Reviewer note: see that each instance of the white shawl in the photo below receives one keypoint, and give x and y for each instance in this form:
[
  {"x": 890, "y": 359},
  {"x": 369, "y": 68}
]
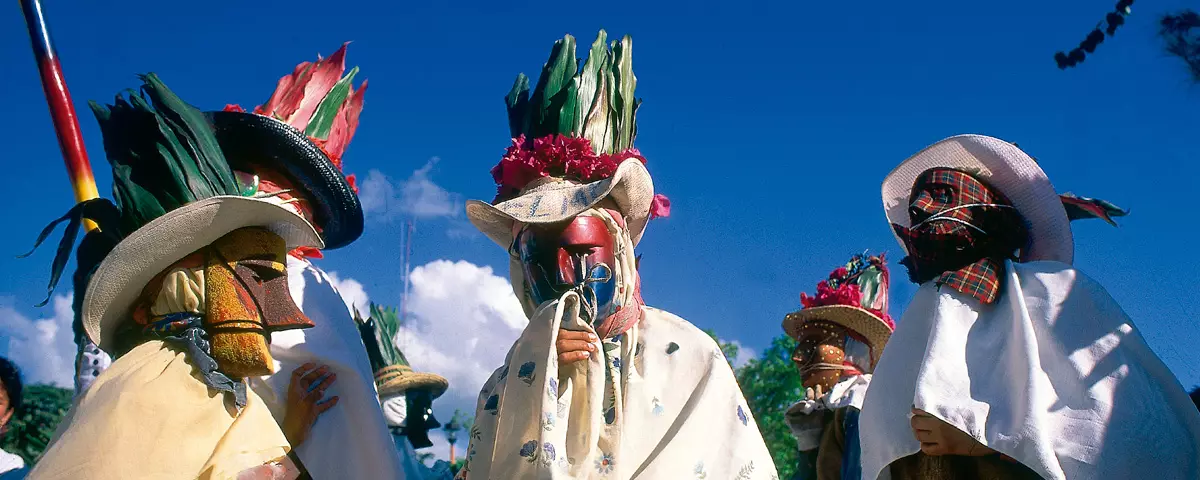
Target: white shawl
[
  {"x": 350, "y": 440},
  {"x": 678, "y": 414},
  {"x": 1053, "y": 375}
]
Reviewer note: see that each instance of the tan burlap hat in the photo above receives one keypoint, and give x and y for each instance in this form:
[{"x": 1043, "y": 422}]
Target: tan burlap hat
[{"x": 402, "y": 378}]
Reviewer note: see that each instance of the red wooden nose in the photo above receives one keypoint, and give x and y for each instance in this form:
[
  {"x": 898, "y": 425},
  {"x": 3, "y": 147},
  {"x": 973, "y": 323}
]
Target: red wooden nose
[{"x": 585, "y": 232}]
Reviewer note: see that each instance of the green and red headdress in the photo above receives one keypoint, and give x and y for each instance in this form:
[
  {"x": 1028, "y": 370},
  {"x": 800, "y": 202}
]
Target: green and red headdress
[
  {"x": 302, "y": 132},
  {"x": 572, "y": 145},
  {"x": 855, "y": 296}
]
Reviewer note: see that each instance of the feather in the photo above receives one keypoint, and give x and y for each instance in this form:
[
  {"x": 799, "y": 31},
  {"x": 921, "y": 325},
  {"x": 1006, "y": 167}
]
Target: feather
[{"x": 1079, "y": 208}]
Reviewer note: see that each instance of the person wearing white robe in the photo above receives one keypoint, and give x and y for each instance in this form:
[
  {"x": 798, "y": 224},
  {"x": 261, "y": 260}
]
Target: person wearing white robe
[{"x": 1052, "y": 374}]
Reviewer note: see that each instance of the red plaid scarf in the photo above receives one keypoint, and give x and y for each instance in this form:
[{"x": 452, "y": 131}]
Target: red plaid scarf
[{"x": 965, "y": 248}]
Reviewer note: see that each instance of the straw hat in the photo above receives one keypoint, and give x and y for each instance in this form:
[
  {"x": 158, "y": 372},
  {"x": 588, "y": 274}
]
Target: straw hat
[
  {"x": 1003, "y": 166},
  {"x": 868, "y": 277},
  {"x": 402, "y": 378},
  {"x": 136, "y": 260}
]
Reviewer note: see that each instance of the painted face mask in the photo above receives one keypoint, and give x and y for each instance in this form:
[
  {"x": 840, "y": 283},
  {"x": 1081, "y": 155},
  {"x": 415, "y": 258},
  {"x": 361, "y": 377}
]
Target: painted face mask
[
  {"x": 577, "y": 255},
  {"x": 247, "y": 295},
  {"x": 420, "y": 419}
]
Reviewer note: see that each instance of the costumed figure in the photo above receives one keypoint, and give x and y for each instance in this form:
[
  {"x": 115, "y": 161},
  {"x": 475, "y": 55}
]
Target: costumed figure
[
  {"x": 1008, "y": 362},
  {"x": 840, "y": 333},
  {"x": 316, "y": 108},
  {"x": 191, "y": 287},
  {"x": 654, "y": 397},
  {"x": 406, "y": 395},
  {"x": 12, "y": 466}
]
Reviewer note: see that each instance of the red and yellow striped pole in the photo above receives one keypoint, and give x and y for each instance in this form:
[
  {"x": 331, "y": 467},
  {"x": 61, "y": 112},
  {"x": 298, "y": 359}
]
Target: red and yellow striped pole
[{"x": 62, "y": 111}]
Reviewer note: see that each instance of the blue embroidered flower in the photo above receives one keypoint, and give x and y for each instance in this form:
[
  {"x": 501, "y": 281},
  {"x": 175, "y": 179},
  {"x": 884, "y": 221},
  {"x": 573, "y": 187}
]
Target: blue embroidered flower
[
  {"x": 548, "y": 449},
  {"x": 529, "y": 450},
  {"x": 493, "y": 402},
  {"x": 701, "y": 474},
  {"x": 604, "y": 464},
  {"x": 617, "y": 363},
  {"x": 526, "y": 372},
  {"x": 742, "y": 416},
  {"x": 658, "y": 408},
  {"x": 553, "y": 391},
  {"x": 547, "y": 421}
]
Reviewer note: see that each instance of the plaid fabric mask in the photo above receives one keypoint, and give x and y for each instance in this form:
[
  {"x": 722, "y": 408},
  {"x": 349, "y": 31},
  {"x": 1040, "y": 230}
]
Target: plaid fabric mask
[{"x": 962, "y": 232}]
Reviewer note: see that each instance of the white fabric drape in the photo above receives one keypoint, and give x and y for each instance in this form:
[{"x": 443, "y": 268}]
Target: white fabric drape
[
  {"x": 1053, "y": 375},
  {"x": 659, "y": 402},
  {"x": 350, "y": 440}
]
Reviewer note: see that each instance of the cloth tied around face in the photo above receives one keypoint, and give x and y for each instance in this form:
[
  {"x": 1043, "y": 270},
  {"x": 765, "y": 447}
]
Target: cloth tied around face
[{"x": 962, "y": 231}]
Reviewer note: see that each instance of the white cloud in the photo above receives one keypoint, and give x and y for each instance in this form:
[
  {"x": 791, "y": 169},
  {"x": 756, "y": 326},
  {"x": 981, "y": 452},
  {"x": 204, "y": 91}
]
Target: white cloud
[
  {"x": 417, "y": 196},
  {"x": 44, "y": 348},
  {"x": 352, "y": 293},
  {"x": 745, "y": 354},
  {"x": 462, "y": 319}
]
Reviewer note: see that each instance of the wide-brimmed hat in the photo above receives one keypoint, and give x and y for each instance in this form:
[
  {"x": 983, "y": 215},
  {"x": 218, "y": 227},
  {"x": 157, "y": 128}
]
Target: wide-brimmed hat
[
  {"x": 302, "y": 132},
  {"x": 841, "y": 299},
  {"x": 1003, "y": 166},
  {"x": 552, "y": 200},
  {"x": 136, "y": 260},
  {"x": 402, "y": 378},
  {"x": 572, "y": 145}
]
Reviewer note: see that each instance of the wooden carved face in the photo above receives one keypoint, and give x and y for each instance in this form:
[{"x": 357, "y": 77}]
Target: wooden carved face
[
  {"x": 820, "y": 353},
  {"x": 247, "y": 298}
]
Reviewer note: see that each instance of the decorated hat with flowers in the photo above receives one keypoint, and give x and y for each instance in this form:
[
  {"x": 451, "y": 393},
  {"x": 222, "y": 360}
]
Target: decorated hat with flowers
[
  {"x": 302, "y": 132},
  {"x": 572, "y": 145},
  {"x": 856, "y": 297}
]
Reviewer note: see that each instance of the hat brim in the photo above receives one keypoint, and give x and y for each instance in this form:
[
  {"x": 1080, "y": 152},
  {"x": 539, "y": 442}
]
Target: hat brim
[
  {"x": 436, "y": 384},
  {"x": 630, "y": 188},
  {"x": 250, "y": 139},
  {"x": 1004, "y": 167},
  {"x": 872, "y": 328},
  {"x": 149, "y": 250}
]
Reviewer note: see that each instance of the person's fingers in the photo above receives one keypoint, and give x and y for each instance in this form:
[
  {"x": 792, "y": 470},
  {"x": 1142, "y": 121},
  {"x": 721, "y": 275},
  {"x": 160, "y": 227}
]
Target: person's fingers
[
  {"x": 572, "y": 357},
  {"x": 299, "y": 371},
  {"x": 575, "y": 346},
  {"x": 576, "y": 335},
  {"x": 312, "y": 376},
  {"x": 933, "y": 449},
  {"x": 809, "y": 394},
  {"x": 819, "y": 391},
  {"x": 324, "y": 405},
  {"x": 319, "y": 390}
]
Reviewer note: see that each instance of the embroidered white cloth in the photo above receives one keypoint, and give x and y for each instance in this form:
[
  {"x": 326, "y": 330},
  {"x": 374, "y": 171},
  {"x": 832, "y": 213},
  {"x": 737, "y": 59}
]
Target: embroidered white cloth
[
  {"x": 807, "y": 428},
  {"x": 350, "y": 440},
  {"x": 674, "y": 411},
  {"x": 1053, "y": 375},
  {"x": 10, "y": 461}
]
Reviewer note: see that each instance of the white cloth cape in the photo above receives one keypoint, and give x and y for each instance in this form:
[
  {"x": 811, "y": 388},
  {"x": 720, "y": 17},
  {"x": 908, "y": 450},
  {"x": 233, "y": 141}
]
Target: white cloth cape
[
  {"x": 10, "y": 461},
  {"x": 350, "y": 440},
  {"x": 808, "y": 428},
  {"x": 1053, "y": 374},
  {"x": 683, "y": 415}
]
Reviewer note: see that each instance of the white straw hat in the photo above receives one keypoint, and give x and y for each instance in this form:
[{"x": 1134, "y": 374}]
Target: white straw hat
[
  {"x": 149, "y": 250},
  {"x": 1003, "y": 166}
]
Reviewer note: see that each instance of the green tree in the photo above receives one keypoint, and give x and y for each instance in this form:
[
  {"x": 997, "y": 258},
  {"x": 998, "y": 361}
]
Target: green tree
[
  {"x": 771, "y": 384},
  {"x": 32, "y": 427}
]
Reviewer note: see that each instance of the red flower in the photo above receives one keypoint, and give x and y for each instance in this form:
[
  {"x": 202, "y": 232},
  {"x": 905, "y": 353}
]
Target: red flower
[
  {"x": 839, "y": 273},
  {"x": 233, "y": 108},
  {"x": 844, "y": 294},
  {"x": 559, "y": 156},
  {"x": 353, "y": 181},
  {"x": 660, "y": 206}
]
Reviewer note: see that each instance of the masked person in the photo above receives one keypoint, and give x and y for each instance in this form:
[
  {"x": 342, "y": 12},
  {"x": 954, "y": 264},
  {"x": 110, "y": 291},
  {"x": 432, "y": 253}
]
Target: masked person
[
  {"x": 318, "y": 106},
  {"x": 657, "y": 399},
  {"x": 191, "y": 287},
  {"x": 12, "y": 466},
  {"x": 1008, "y": 362},
  {"x": 406, "y": 396},
  {"x": 840, "y": 333}
]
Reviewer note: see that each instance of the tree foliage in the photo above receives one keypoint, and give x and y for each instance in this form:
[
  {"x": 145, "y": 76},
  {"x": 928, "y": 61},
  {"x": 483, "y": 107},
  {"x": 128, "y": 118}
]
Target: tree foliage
[
  {"x": 32, "y": 427},
  {"x": 1181, "y": 37},
  {"x": 771, "y": 384}
]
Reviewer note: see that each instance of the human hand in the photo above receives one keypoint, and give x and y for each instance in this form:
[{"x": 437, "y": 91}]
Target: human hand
[
  {"x": 574, "y": 346},
  {"x": 304, "y": 402},
  {"x": 813, "y": 393},
  {"x": 940, "y": 438}
]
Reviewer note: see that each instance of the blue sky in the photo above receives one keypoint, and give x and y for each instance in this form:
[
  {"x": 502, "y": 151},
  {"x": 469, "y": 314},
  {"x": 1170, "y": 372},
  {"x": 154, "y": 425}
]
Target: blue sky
[{"x": 770, "y": 126}]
